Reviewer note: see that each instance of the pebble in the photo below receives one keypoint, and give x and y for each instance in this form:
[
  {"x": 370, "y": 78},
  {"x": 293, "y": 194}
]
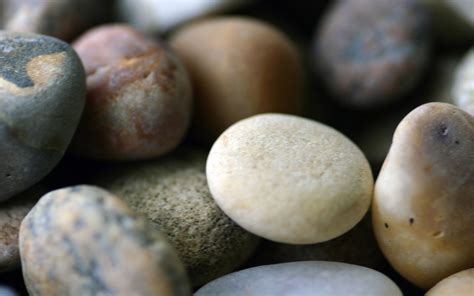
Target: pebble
[
  {"x": 289, "y": 179},
  {"x": 164, "y": 15},
  {"x": 173, "y": 194},
  {"x": 42, "y": 94},
  {"x": 12, "y": 213},
  {"x": 422, "y": 209},
  {"x": 5, "y": 291},
  {"x": 358, "y": 246},
  {"x": 462, "y": 89},
  {"x": 370, "y": 54},
  {"x": 82, "y": 240},
  {"x": 138, "y": 96},
  {"x": 64, "y": 19},
  {"x": 459, "y": 284},
  {"x": 239, "y": 67},
  {"x": 315, "y": 278}
]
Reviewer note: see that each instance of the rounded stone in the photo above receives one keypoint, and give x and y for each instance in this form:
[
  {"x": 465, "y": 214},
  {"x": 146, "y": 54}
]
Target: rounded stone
[
  {"x": 82, "y": 240},
  {"x": 138, "y": 96},
  {"x": 316, "y": 278},
  {"x": 6, "y": 291},
  {"x": 459, "y": 284},
  {"x": 423, "y": 205},
  {"x": 42, "y": 93},
  {"x": 462, "y": 89},
  {"x": 358, "y": 246},
  {"x": 173, "y": 194},
  {"x": 64, "y": 19},
  {"x": 369, "y": 54},
  {"x": 239, "y": 67},
  {"x": 164, "y": 15},
  {"x": 289, "y": 179},
  {"x": 12, "y": 213}
]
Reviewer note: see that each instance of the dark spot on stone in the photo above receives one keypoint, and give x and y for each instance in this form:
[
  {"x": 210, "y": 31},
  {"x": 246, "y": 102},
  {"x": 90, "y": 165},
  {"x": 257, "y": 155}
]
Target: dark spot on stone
[
  {"x": 7, "y": 175},
  {"x": 442, "y": 130},
  {"x": 386, "y": 225},
  {"x": 79, "y": 224},
  {"x": 456, "y": 142},
  {"x": 75, "y": 189},
  {"x": 411, "y": 221},
  {"x": 17, "y": 51}
]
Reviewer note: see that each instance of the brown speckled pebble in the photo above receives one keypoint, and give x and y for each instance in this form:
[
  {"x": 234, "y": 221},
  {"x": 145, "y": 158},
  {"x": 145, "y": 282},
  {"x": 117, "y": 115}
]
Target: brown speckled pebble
[
  {"x": 174, "y": 195},
  {"x": 82, "y": 240},
  {"x": 11, "y": 214},
  {"x": 138, "y": 96}
]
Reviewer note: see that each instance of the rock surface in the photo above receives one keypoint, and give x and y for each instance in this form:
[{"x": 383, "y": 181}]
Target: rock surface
[
  {"x": 239, "y": 67},
  {"x": 64, "y": 19},
  {"x": 369, "y": 54},
  {"x": 173, "y": 194},
  {"x": 82, "y": 240},
  {"x": 12, "y": 213},
  {"x": 42, "y": 93},
  {"x": 289, "y": 179},
  {"x": 459, "y": 284},
  {"x": 423, "y": 205},
  {"x": 315, "y": 278},
  {"x": 138, "y": 96}
]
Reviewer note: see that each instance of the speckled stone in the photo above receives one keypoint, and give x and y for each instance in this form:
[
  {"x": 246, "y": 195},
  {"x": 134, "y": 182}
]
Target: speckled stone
[
  {"x": 289, "y": 179},
  {"x": 82, "y": 240},
  {"x": 12, "y": 213},
  {"x": 423, "y": 202},
  {"x": 308, "y": 278},
  {"x": 358, "y": 246},
  {"x": 173, "y": 194},
  {"x": 63, "y": 19},
  {"x": 369, "y": 53},
  {"x": 163, "y": 15},
  {"x": 459, "y": 284},
  {"x": 462, "y": 89},
  {"x": 42, "y": 94},
  {"x": 139, "y": 96}
]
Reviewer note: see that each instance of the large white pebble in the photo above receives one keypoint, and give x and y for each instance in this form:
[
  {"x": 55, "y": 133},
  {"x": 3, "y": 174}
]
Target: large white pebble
[
  {"x": 289, "y": 179},
  {"x": 315, "y": 278}
]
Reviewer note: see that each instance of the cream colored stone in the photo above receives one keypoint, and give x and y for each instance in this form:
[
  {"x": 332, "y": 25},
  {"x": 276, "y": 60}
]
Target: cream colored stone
[
  {"x": 423, "y": 200},
  {"x": 289, "y": 179},
  {"x": 459, "y": 284}
]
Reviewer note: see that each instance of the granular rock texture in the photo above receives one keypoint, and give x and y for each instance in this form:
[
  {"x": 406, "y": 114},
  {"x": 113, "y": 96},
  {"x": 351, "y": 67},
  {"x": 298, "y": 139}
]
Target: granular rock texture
[
  {"x": 42, "y": 94},
  {"x": 173, "y": 194},
  {"x": 82, "y": 240}
]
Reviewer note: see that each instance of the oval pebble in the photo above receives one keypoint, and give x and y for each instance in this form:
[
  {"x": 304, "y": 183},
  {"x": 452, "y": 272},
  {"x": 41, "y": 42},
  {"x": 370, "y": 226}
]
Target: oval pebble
[
  {"x": 289, "y": 179},
  {"x": 369, "y": 54},
  {"x": 173, "y": 194},
  {"x": 82, "y": 240},
  {"x": 63, "y": 19},
  {"x": 239, "y": 67},
  {"x": 42, "y": 94},
  {"x": 423, "y": 205},
  {"x": 459, "y": 284},
  {"x": 12, "y": 213},
  {"x": 138, "y": 96},
  {"x": 462, "y": 90},
  {"x": 315, "y": 278}
]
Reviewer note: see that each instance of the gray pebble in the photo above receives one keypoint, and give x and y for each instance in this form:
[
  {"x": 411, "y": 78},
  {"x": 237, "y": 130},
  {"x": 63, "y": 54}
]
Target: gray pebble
[{"x": 42, "y": 94}]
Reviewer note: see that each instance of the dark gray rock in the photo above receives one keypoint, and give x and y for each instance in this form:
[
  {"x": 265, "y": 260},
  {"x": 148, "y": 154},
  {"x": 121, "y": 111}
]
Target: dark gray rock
[{"x": 42, "y": 95}]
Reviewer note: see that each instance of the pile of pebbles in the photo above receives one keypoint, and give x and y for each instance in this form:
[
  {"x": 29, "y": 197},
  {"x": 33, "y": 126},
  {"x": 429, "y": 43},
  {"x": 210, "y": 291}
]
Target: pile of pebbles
[{"x": 236, "y": 147}]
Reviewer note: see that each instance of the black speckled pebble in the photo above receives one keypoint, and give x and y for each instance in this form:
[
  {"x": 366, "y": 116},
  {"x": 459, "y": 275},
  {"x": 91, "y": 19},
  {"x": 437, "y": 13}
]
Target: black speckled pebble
[
  {"x": 42, "y": 95},
  {"x": 82, "y": 240}
]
